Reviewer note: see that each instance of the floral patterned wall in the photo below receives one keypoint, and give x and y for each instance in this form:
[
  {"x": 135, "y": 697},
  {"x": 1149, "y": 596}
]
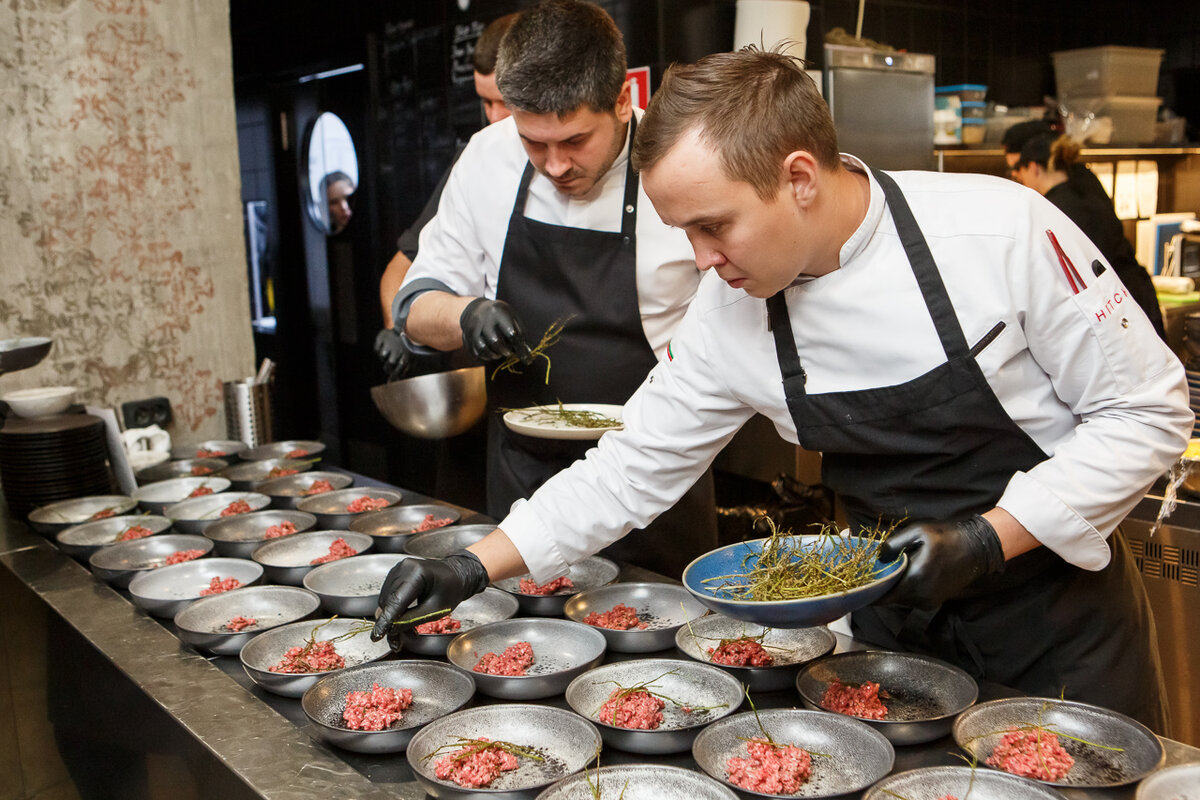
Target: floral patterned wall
[{"x": 120, "y": 219}]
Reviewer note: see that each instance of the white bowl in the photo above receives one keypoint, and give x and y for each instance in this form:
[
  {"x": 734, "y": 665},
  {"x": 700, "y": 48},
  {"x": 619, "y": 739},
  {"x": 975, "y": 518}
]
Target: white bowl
[{"x": 41, "y": 402}]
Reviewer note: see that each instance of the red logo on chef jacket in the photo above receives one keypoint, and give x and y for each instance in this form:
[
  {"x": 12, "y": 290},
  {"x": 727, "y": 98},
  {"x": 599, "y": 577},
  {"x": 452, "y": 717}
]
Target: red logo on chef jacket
[{"x": 639, "y": 84}]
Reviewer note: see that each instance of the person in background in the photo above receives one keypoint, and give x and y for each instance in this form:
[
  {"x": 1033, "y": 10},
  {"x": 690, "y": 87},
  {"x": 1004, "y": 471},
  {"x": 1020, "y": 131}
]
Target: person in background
[
  {"x": 338, "y": 188},
  {"x": 918, "y": 330},
  {"x": 1049, "y": 164}
]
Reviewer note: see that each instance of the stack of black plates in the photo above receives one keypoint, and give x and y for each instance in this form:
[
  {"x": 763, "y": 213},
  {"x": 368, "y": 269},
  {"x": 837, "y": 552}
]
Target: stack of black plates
[{"x": 52, "y": 458}]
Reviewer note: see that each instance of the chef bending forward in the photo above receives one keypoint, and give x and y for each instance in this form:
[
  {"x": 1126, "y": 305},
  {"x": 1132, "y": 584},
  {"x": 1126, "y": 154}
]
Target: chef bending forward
[{"x": 1007, "y": 405}]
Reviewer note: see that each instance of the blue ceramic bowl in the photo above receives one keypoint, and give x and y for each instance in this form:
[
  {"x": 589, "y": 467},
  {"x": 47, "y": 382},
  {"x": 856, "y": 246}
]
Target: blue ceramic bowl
[{"x": 732, "y": 560}]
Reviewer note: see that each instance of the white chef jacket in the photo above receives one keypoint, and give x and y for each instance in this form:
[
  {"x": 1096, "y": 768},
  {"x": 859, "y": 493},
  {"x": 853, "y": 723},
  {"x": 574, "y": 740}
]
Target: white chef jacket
[
  {"x": 461, "y": 248},
  {"x": 1084, "y": 375}
]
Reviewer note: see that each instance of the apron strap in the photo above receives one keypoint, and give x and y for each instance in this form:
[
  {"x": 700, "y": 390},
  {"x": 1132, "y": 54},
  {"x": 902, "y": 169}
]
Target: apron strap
[
  {"x": 630, "y": 205},
  {"x": 785, "y": 346}
]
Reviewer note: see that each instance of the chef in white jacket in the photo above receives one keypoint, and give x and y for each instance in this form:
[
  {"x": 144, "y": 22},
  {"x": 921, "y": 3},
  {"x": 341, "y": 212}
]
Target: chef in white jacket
[{"x": 958, "y": 350}]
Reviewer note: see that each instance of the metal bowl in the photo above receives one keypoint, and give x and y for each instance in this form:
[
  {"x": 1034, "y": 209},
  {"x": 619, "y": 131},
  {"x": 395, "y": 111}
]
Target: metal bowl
[
  {"x": 246, "y": 476},
  {"x": 288, "y": 491},
  {"x": 120, "y": 563},
  {"x": 854, "y": 756},
  {"x": 196, "y": 514},
  {"x": 981, "y": 784},
  {"x": 978, "y": 730},
  {"x": 562, "y": 650},
  {"x": 54, "y": 517},
  {"x": 591, "y": 573},
  {"x": 565, "y": 741},
  {"x": 434, "y": 406},
  {"x": 438, "y": 689},
  {"x": 490, "y": 605},
  {"x": 268, "y": 648},
  {"x": 283, "y": 450},
  {"x": 230, "y": 450},
  {"x": 924, "y": 694},
  {"x": 351, "y": 586},
  {"x": 202, "y": 624},
  {"x": 81, "y": 541},
  {"x": 790, "y": 648},
  {"x": 804, "y": 613},
  {"x": 185, "y": 468},
  {"x": 392, "y": 527},
  {"x": 1169, "y": 783},
  {"x": 639, "y": 782},
  {"x": 157, "y": 497},
  {"x": 240, "y": 535},
  {"x": 23, "y": 353},
  {"x": 663, "y": 607},
  {"x": 166, "y": 591},
  {"x": 289, "y": 559},
  {"x": 443, "y": 542},
  {"x": 330, "y": 507},
  {"x": 710, "y": 693}
]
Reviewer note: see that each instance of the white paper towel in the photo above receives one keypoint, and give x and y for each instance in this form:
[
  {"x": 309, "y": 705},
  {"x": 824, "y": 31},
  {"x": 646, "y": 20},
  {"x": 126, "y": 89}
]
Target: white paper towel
[{"x": 767, "y": 22}]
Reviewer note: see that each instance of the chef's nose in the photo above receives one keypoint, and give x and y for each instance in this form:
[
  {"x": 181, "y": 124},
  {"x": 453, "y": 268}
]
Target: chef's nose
[
  {"x": 557, "y": 162},
  {"x": 707, "y": 258}
]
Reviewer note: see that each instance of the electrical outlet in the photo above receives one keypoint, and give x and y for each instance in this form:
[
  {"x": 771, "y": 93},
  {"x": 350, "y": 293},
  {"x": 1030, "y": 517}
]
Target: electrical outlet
[{"x": 144, "y": 413}]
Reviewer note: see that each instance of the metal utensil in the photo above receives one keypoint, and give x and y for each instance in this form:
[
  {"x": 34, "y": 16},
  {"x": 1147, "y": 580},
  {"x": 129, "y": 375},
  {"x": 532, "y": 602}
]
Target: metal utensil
[
  {"x": 23, "y": 353},
  {"x": 183, "y": 468},
  {"x": 166, "y": 591},
  {"x": 434, "y": 406},
  {"x": 240, "y": 535},
  {"x": 229, "y": 448},
  {"x": 589, "y": 573},
  {"x": 82, "y": 540},
  {"x": 202, "y": 624},
  {"x": 443, "y": 542},
  {"x": 639, "y": 782},
  {"x": 330, "y": 507},
  {"x": 267, "y": 649},
  {"x": 283, "y": 450},
  {"x": 157, "y": 497},
  {"x": 49, "y": 519},
  {"x": 490, "y": 605},
  {"x": 196, "y": 514},
  {"x": 351, "y": 586},
  {"x": 984, "y": 784},
  {"x": 288, "y": 559},
  {"x": 789, "y": 648},
  {"x": 392, "y": 526},
  {"x": 288, "y": 491},
  {"x": 119, "y": 563},
  {"x": 663, "y": 607},
  {"x": 247, "y": 475}
]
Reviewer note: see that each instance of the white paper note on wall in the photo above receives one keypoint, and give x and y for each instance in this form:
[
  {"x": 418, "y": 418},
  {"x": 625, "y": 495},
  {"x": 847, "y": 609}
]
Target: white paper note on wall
[
  {"x": 1147, "y": 188},
  {"x": 1125, "y": 198},
  {"x": 1103, "y": 170}
]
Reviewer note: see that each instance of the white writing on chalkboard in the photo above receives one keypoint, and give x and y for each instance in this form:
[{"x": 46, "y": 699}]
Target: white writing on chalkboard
[{"x": 462, "y": 51}]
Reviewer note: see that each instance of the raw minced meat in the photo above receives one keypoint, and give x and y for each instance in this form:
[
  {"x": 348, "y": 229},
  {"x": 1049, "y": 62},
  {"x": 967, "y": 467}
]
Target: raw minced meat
[
  {"x": 103, "y": 513},
  {"x": 1032, "y": 753},
  {"x": 744, "y": 652},
  {"x": 286, "y": 528},
  {"x": 134, "y": 532},
  {"x": 299, "y": 452},
  {"x": 366, "y": 504},
  {"x": 376, "y": 709},
  {"x": 281, "y": 472},
  {"x": 770, "y": 769},
  {"x": 216, "y": 586},
  {"x": 431, "y": 523},
  {"x": 236, "y": 507},
  {"x": 513, "y": 661},
  {"x": 857, "y": 701},
  {"x": 200, "y": 491},
  {"x": 319, "y": 486},
  {"x": 618, "y": 618},
  {"x": 200, "y": 469},
  {"x": 240, "y": 623},
  {"x": 446, "y": 624},
  {"x": 180, "y": 556},
  {"x": 474, "y": 767},
  {"x": 202, "y": 453},
  {"x": 528, "y": 586},
  {"x": 339, "y": 549},
  {"x": 316, "y": 657},
  {"x": 948, "y": 797},
  {"x": 639, "y": 710}
]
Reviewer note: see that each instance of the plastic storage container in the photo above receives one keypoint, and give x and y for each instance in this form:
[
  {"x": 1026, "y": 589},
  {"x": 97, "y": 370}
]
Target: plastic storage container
[
  {"x": 1107, "y": 70},
  {"x": 971, "y": 92},
  {"x": 1133, "y": 118},
  {"x": 974, "y": 109},
  {"x": 973, "y": 130}
]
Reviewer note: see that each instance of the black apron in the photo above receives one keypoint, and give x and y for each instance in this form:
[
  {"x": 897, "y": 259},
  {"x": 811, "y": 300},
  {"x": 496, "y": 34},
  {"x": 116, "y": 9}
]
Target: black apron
[
  {"x": 941, "y": 447},
  {"x": 588, "y": 279}
]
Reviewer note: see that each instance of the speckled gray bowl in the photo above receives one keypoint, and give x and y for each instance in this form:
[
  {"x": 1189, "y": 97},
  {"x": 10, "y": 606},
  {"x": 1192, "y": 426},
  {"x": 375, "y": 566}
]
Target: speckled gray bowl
[
  {"x": 791, "y": 648},
  {"x": 490, "y": 605},
  {"x": 330, "y": 507},
  {"x": 590, "y": 573},
  {"x": 229, "y": 448},
  {"x": 983, "y": 784},
  {"x": 854, "y": 756},
  {"x": 240, "y": 535},
  {"x": 180, "y": 469},
  {"x": 288, "y": 559},
  {"x": 120, "y": 563},
  {"x": 157, "y": 497},
  {"x": 639, "y": 782},
  {"x": 277, "y": 450},
  {"x": 166, "y": 591},
  {"x": 924, "y": 694},
  {"x": 392, "y": 527},
  {"x": 562, "y": 650},
  {"x": 710, "y": 693},
  {"x": 664, "y": 607},
  {"x": 247, "y": 475},
  {"x": 268, "y": 648},
  {"x": 351, "y": 586},
  {"x": 978, "y": 730},
  {"x": 202, "y": 624},
  {"x": 565, "y": 741},
  {"x": 441, "y": 543},
  {"x": 52, "y": 518},
  {"x": 438, "y": 689},
  {"x": 196, "y": 514},
  {"x": 288, "y": 491},
  {"x": 82, "y": 540},
  {"x": 1169, "y": 783}
]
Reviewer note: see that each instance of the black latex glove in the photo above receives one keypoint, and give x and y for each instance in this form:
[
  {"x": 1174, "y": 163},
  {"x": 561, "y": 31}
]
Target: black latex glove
[
  {"x": 491, "y": 331},
  {"x": 435, "y": 583},
  {"x": 393, "y": 353},
  {"x": 943, "y": 557}
]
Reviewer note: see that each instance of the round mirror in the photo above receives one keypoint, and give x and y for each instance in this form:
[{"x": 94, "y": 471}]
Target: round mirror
[{"x": 332, "y": 174}]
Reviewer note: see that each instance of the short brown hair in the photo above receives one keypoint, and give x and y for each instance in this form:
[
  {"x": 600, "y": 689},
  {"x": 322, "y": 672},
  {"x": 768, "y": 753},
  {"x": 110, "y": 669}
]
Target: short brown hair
[
  {"x": 753, "y": 107},
  {"x": 484, "y": 57}
]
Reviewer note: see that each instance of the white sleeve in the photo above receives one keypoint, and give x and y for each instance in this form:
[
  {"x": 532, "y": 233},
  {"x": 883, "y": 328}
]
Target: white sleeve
[
  {"x": 675, "y": 424},
  {"x": 1107, "y": 364}
]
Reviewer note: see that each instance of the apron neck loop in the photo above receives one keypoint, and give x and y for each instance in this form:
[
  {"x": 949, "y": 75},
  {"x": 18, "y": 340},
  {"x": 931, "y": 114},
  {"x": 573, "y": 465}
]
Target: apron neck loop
[{"x": 785, "y": 344}]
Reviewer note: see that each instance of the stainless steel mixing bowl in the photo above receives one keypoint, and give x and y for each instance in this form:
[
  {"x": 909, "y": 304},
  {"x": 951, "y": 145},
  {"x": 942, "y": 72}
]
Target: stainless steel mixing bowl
[{"x": 434, "y": 406}]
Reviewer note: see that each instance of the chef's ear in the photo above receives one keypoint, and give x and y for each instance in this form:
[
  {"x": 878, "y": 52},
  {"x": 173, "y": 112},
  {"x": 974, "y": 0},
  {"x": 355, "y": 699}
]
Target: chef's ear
[
  {"x": 624, "y": 107},
  {"x": 802, "y": 174}
]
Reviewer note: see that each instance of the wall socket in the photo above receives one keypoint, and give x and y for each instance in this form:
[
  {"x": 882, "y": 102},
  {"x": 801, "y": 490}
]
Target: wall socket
[{"x": 144, "y": 413}]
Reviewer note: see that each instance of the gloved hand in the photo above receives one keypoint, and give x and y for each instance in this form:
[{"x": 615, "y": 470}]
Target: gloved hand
[
  {"x": 393, "y": 353},
  {"x": 943, "y": 557},
  {"x": 491, "y": 331},
  {"x": 435, "y": 583}
]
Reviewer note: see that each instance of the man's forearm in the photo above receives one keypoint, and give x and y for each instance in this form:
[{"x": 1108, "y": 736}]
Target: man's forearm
[
  {"x": 499, "y": 556},
  {"x": 433, "y": 320},
  {"x": 389, "y": 284}
]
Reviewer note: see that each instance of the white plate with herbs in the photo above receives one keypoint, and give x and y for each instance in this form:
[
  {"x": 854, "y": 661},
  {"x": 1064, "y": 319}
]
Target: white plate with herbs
[{"x": 565, "y": 420}]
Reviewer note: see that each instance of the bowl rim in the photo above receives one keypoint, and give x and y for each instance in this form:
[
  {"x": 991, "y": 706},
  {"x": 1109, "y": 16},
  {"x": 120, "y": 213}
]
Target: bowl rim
[
  {"x": 258, "y": 588},
  {"x": 39, "y": 393},
  {"x": 362, "y": 490},
  {"x": 537, "y": 622}
]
